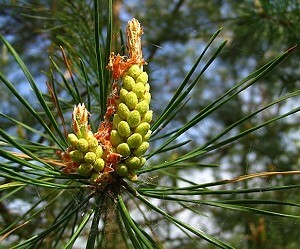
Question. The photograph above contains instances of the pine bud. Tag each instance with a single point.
(131, 128)
(93, 144)
(84, 169)
(122, 95)
(134, 118)
(123, 110)
(134, 71)
(123, 149)
(80, 121)
(82, 144)
(147, 117)
(128, 82)
(141, 149)
(89, 157)
(131, 100)
(143, 77)
(122, 169)
(147, 87)
(121, 140)
(132, 176)
(94, 177)
(142, 161)
(135, 140)
(133, 163)
(116, 120)
(99, 152)
(72, 139)
(139, 90)
(124, 129)
(76, 156)
(115, 138)
(142, 107)
(143, 128)
(99, 165)
(147, 97)
(147, 136)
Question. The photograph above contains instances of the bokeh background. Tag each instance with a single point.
(176, 31)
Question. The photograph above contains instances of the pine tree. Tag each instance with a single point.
(69, 207)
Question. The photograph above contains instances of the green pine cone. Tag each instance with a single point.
(88, 154)
(131, 123)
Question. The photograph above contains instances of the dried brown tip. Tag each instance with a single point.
(119, 64)
(80, 117)
(134, 32)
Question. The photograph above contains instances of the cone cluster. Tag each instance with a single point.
(87, 154)
(119, 145)
(131, 122)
